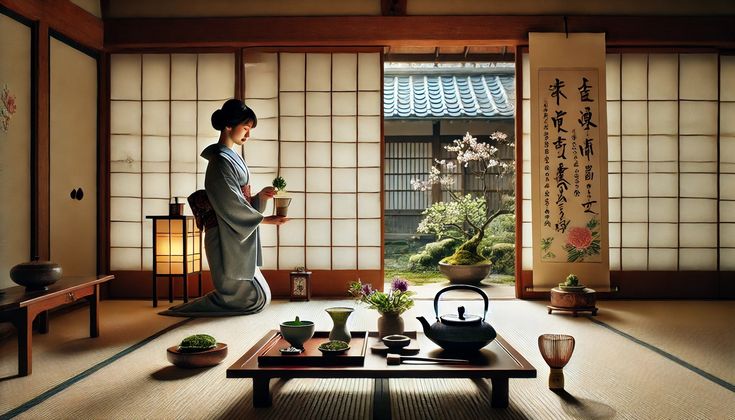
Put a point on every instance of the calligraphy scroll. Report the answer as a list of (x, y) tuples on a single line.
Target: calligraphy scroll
[(569, 159)]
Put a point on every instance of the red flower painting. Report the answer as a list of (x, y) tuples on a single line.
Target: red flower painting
[(7, 108), (580, 238), (583, 241)]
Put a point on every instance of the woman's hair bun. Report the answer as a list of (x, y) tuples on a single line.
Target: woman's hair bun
[(218, 120), (232, 113)]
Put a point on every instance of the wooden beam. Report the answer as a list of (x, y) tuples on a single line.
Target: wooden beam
[(520, 286), (40, 146), (714, 31), (103, 164), (64, 17), (450, 58)]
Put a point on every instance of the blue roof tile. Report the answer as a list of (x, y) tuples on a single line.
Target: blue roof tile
[(448, 96)]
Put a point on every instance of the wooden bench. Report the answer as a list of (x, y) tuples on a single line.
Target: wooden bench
[(21, 308)]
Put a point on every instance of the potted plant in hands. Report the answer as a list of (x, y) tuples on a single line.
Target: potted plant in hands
[(280, 201), (390, 305), (465, 217)]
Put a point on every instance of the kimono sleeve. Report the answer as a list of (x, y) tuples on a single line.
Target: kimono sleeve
[(258, 204), (227, 199)]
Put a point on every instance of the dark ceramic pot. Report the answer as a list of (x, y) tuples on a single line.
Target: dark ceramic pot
[(465, 274), (205, 358), (36, 275)]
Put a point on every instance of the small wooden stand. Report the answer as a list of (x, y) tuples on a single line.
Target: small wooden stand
[(573, 301)]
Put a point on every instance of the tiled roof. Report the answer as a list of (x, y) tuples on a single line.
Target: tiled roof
[(433, 96)]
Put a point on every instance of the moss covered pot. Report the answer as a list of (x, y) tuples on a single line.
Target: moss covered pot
[(465, 274)]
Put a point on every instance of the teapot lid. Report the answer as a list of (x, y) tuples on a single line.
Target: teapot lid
[(461, 318)]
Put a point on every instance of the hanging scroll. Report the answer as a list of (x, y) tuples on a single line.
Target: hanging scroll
[(569, 157)]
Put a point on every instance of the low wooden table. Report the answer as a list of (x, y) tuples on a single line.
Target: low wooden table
[(498, 361), (21, 307)]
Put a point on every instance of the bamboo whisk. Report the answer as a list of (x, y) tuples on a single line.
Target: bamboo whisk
[(556, 350)]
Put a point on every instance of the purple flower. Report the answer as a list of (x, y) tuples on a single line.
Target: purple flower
[(399, 284), (367, 289)]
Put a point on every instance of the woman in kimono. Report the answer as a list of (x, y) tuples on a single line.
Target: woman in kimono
[(233, 244)]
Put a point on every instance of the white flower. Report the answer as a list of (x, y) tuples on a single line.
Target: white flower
[(446, 181), (498, 136)]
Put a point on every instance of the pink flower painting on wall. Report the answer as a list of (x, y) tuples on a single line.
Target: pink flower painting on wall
[(7, 108)]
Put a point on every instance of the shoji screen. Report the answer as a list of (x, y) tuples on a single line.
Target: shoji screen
[(727, 163), (319, 126), (15, 145), (665, 144), (663, 162), (160, 121), (526, 232)]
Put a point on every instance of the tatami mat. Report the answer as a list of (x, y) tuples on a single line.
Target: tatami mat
[(67, 349), (694, 331), (609, 376)]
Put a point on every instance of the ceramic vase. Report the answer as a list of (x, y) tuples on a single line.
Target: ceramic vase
[(389, 324), (339, 315)]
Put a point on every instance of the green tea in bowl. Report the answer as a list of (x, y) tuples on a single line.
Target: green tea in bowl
[(297, 332)]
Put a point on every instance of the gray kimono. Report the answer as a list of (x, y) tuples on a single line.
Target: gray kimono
[(233, 246)]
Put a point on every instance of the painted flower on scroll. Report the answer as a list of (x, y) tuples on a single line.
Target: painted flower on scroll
[(7, 108), (583, 241)]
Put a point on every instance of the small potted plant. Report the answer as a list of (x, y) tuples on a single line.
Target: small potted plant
[(280, 201), (198, 350), (571, 284)]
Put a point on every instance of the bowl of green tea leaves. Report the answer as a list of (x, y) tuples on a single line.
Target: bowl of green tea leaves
[(333, 347)]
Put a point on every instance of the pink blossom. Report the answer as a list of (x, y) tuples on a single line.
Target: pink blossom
[(10, 103), (580, 237)]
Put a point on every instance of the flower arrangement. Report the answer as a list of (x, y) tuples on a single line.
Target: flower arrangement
[(395, 302), (465, 217), (7, 108)]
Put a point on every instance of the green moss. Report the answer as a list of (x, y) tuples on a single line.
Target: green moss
[(464, 258), (197, 342), (467, 254), (572, 280)]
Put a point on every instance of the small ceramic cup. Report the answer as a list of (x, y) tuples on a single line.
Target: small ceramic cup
[(396, 341), (297, 333)]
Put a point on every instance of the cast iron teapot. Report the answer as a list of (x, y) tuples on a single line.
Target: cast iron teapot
[(459, 332)]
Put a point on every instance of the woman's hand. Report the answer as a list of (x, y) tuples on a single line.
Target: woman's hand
[(274, 220), (267, 193)]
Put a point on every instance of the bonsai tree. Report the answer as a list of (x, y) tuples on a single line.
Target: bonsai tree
[(280, 184), (572, 280), (465, 217)]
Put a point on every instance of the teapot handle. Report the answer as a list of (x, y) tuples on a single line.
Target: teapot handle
[(461, 287)]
